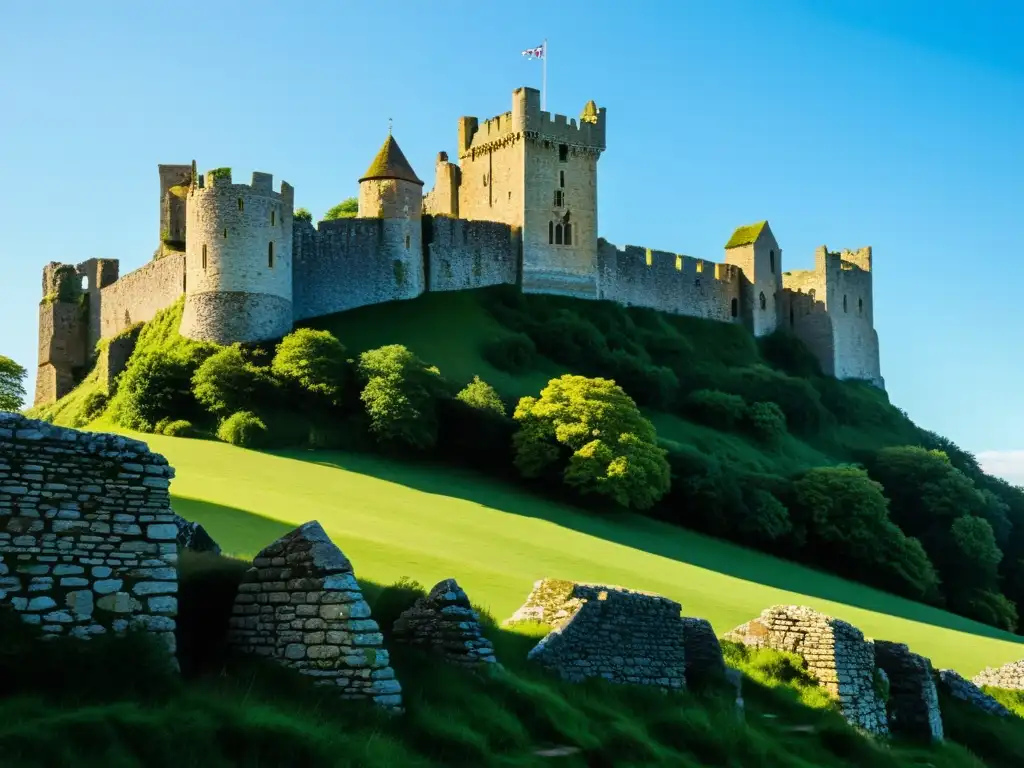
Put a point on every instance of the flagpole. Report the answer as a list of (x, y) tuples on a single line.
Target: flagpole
[(544, 78)]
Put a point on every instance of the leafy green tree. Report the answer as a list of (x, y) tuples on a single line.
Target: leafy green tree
[(346, 209), (12, 384), (315, 360), (482, 396), (226, 382), (612, 449), (400, 396), (302, 214), (155, 385)]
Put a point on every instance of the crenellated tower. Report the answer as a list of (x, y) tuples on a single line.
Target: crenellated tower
[(538, 171), (238, 258)]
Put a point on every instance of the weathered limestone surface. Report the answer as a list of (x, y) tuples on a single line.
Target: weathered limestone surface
[(444, 621), (1009, 676), (913, 706), (301, 605), (704, 660), (610, 632), (87, 536), (960, 688), (836, 654)]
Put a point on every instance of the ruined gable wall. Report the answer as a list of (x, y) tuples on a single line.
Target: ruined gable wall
[(670, 283), (349, 263), (913, 705), (87, 536), (470, 254), (804, 313), (139, 295)]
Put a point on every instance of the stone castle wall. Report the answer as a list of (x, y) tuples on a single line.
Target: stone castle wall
[(139, 295), (682, 285), (88, 541), (470, 254)]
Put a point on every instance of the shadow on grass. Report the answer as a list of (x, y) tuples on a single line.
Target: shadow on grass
[(645, 534)]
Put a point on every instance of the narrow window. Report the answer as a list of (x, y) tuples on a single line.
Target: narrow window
[(735, 307), (844, 302), (650, 257), (407, 242), (270, 254), (791, 320), (85, 283), (273, 217), (558, 234), (204, 255), (696, 282), (225, 233), (771, 261), (485, 179), (510, 195), (568, 233), (679, 264), (762, 300), (127, 318), (860, 306), (184, 282), (563, 153), (551, 232), (561, 178), (241, 204)]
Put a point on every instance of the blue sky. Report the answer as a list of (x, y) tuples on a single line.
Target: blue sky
[(886, 123)]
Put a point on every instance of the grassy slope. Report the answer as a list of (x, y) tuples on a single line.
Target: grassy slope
[(429, 523)]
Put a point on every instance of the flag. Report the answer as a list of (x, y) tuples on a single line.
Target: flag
[(534, 53)]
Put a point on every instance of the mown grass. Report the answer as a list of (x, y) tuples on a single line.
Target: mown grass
[(112, 703)]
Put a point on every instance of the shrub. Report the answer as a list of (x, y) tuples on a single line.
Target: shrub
[(480, 438), (243, 429), (766, 421), (400, 394), (314, 360), (346, 209), (302, 214), (612, 448), (513, 353), (176, 428), (716, 409), (797, 398), (649, 385), (569, 339), (482, 396), (766, 518), (226, 382), (787, 353), (93, 405), (155, 385)]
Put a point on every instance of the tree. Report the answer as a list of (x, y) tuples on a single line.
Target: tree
[(592, 431), (346, 209), (315, 360), (226, 382), (12, 386), (482, 396), (400, 394)]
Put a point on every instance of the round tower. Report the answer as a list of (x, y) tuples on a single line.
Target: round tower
[(238, 259), (391, 191)]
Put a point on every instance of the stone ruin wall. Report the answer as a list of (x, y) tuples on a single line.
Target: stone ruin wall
[(1009, 676), (959, 688), (913, 706), (609, 632), (836, 655), (139, 295), (680, 285), (88, 541), (443, 621), (465, 254)]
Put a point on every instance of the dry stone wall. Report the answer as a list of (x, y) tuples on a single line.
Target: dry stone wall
[(300, 604), (610, 632), (1009, 676), (704, 659), (88, 541), (836, 654), (913, 706), (959, 688), (444, 621)]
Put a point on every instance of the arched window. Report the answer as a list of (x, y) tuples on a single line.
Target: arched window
[(204, 255), (551, 232), (735, 307), (771, 260), (558, 234), (762, 300), (568, 233), (270, 254), (844, 302), (241, 204), (860, 306)]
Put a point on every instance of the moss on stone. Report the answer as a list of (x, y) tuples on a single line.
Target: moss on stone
[(745, 235), (390, 163), (399, 269), (180, 190), (220, 174)]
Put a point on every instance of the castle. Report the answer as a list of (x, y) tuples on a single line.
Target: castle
[(520, 207)]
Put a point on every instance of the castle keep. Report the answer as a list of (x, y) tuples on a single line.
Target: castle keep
[(520, 208)]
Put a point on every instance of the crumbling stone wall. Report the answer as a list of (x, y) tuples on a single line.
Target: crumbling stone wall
[(704, 659), (959, 688), (1009, 676), (836, 654), (88, 541), (444, 621), (913, 706), (139, 295), (114, 359), (610, 632), (300, 604)]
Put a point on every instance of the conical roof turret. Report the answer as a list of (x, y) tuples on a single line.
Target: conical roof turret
[(390, 163)]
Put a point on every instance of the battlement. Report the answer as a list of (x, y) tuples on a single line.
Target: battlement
[(831, 261), (219, 179)]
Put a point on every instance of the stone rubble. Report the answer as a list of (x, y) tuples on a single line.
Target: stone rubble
[(836, 654), (193, 537), (300, 604), (913, 706), (88, 541), (1009, 676), (963, 689), (444, 621)]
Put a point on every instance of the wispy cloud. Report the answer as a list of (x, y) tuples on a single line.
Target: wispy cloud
[(1008, 465)]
